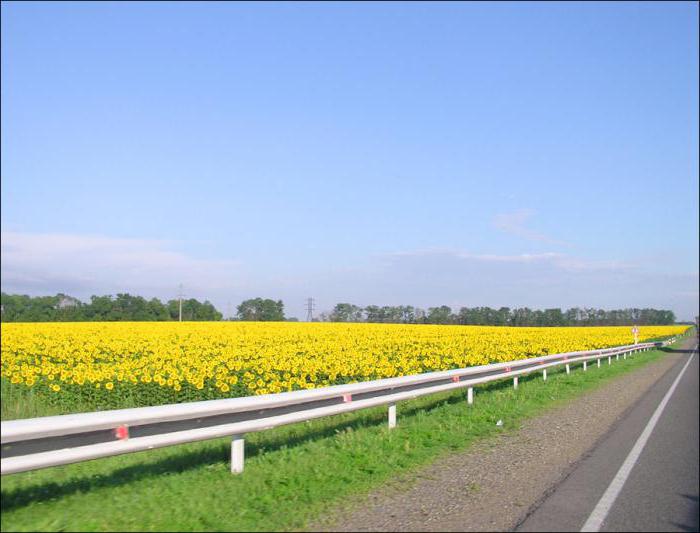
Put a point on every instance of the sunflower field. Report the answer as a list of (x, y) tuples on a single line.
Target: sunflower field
[(127, 364)]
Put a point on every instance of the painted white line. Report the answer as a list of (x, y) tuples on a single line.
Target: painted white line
[(595, 521)]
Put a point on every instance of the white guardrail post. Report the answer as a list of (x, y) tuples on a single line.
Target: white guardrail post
[(392, 415), (37, 443), (237, 453)]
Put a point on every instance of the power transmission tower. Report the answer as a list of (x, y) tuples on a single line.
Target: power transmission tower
[(309, 309), (179, 296)]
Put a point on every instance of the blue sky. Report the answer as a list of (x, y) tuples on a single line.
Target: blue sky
[(539, 154)]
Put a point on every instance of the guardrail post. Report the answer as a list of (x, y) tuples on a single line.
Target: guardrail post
[(617, 357), (584, 366), (624, 356), (392, 415), (609, 359), (237, 453), (470, 395), (515, 382), (568, 370), (544, 374), (599, 362)]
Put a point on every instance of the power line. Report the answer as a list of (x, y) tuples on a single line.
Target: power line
[(309, 309)]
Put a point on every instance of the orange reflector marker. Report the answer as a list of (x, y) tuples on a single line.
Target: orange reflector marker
[(122, 432)]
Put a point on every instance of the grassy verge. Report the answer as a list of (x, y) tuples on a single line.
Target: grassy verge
[(292, 474)]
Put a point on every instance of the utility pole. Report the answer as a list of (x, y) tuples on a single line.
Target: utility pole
[(309, 309), (179, 296)]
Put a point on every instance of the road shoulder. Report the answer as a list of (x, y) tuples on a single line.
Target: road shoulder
[(495, 484), (659, 491)]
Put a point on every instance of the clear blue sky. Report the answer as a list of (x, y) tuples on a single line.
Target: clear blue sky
[(539, 154)]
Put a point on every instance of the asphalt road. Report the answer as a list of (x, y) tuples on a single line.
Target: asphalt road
[(661, 491)]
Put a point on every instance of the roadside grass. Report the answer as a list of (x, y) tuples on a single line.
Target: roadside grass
[(293, 473), (24, 402), (19, 401)]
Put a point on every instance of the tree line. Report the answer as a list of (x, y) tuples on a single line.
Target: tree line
[(504, 316), (122, 307)]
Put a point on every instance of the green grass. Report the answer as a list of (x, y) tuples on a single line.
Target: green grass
[(292, 474)]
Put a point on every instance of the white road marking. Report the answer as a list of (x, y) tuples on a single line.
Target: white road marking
[(600, 513)]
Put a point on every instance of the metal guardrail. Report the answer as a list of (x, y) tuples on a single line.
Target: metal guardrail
[(36, 443)]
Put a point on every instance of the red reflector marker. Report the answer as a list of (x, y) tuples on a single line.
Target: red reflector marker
[(122, 432), (455, 379), (347, 398)]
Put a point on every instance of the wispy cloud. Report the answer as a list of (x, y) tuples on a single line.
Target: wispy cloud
[(538, 280), (88, 264), (515, 223), (559, 260)]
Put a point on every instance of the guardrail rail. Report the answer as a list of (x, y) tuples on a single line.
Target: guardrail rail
[(36, 443)]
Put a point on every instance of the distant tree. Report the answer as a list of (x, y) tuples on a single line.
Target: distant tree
[(192, 309), (374, 313), (262, 310), (99, 308), (503, 317), (440, 315), (207, 311), (345, 312), (408, 314), (156, 310), (323, 316), (128, 307), (553, 317), (391, 314)]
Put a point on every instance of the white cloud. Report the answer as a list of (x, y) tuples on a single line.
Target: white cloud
[(560, 260), (515, 224), (437, 276), (84, 265)]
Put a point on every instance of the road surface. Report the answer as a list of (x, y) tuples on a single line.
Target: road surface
[(552, 474), (661, 491)]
